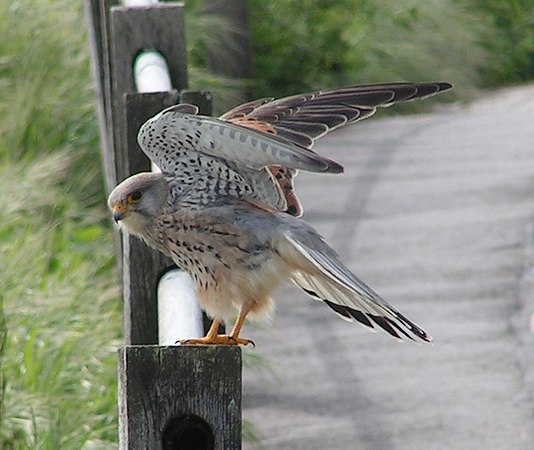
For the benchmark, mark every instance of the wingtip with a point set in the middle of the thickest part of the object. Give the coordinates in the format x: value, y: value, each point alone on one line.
x: 335, y: 168
x: 324, y: 165
x: 428, y: 339
x: 444, y: 86
x: 422, y: 335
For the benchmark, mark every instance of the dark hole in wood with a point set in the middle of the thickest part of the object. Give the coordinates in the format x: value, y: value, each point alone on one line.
x: 188, y: 432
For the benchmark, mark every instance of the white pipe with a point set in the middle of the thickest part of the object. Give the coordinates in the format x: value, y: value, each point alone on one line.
x: 151, y: 72
x: 135, y: 3
x: 179, y: 315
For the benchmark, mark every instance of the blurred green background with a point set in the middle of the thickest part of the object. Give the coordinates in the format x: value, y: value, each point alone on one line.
x: 59, y: 299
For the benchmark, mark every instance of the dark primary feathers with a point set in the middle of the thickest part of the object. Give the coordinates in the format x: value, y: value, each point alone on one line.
x: 306, y: 117
x: 345, y: 293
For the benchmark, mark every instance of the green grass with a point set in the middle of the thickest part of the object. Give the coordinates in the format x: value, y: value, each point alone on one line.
x: 60, y: 308
x: 61, y: 312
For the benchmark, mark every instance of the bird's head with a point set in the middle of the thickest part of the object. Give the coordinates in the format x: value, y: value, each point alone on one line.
x: 138, y: 200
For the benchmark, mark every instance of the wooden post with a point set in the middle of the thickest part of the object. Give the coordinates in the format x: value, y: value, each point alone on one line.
x: 96, y: 12
x: 198, y: 408
x: 133, y: 30
x: 235, y: 60
x: 169, y: 397
x: 143, y: 266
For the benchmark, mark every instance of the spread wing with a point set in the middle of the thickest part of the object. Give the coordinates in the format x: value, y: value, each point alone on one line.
x: 304, y: 118
x: 244, y: 146
x: 205, y: 158
x: 255, y: 150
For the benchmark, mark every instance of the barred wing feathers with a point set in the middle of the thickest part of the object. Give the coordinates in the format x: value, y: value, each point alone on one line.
x: 304, y: 118
x: 331, y: 282
x: 257, y: 148
x: 223, y: 141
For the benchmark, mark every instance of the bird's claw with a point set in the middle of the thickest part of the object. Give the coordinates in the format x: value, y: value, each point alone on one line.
x: 221, y: 339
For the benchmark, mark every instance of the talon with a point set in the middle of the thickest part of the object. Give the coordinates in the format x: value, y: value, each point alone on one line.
x: 243, y: 341
x: 221, y: 339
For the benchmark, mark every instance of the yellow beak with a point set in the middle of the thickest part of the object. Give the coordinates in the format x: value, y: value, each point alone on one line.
x: 119, y: 211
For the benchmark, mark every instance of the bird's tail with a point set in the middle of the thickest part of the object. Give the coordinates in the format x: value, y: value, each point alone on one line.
x: 322, y: 276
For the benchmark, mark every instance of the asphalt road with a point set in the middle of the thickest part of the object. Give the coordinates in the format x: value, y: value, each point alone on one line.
x: 436, y: 212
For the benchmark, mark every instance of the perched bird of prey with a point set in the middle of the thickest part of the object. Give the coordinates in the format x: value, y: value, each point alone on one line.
x: 224, y: 207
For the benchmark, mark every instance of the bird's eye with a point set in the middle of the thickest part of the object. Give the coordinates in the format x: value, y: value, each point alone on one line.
x: 135, y: 196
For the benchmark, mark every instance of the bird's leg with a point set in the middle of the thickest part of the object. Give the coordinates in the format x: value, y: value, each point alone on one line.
x: 214, y: 329
x: 212, y: 338
x: 245, y: 309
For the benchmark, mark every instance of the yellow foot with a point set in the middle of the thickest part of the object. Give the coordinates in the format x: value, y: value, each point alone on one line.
x: 221, y: 339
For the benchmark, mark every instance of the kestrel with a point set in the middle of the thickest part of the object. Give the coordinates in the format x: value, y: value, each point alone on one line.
x: 224, y: 208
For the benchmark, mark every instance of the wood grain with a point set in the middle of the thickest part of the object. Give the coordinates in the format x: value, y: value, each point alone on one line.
x: 162, y: 388
x: 143, y: 266
x: 159, y: 27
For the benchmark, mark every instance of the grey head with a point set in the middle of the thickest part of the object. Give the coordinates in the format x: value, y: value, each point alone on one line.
x: 138, y: 200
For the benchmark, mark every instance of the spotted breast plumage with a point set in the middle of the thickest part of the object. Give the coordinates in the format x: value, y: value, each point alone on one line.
x: 225, y: 210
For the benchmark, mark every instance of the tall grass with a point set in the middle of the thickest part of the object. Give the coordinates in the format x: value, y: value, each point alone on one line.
x: 61, y: 312
x: 60, y: 304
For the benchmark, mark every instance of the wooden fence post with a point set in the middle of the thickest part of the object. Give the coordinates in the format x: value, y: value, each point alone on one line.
x: 169, y: 397
x: 198, y: 408
x: 235, y: 61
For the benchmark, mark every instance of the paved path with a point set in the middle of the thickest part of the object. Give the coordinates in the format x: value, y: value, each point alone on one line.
x: 435, y: 212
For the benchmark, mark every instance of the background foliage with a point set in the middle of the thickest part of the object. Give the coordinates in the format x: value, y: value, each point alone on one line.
x: 512, y: 45
x: 312, y: 44
x: 60, y: 324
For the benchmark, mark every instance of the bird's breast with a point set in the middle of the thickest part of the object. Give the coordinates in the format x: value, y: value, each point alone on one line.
x: 230, y: 263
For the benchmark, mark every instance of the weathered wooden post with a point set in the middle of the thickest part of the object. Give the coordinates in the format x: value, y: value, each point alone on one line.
x: 169, y: 396
x: 236, y: 59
